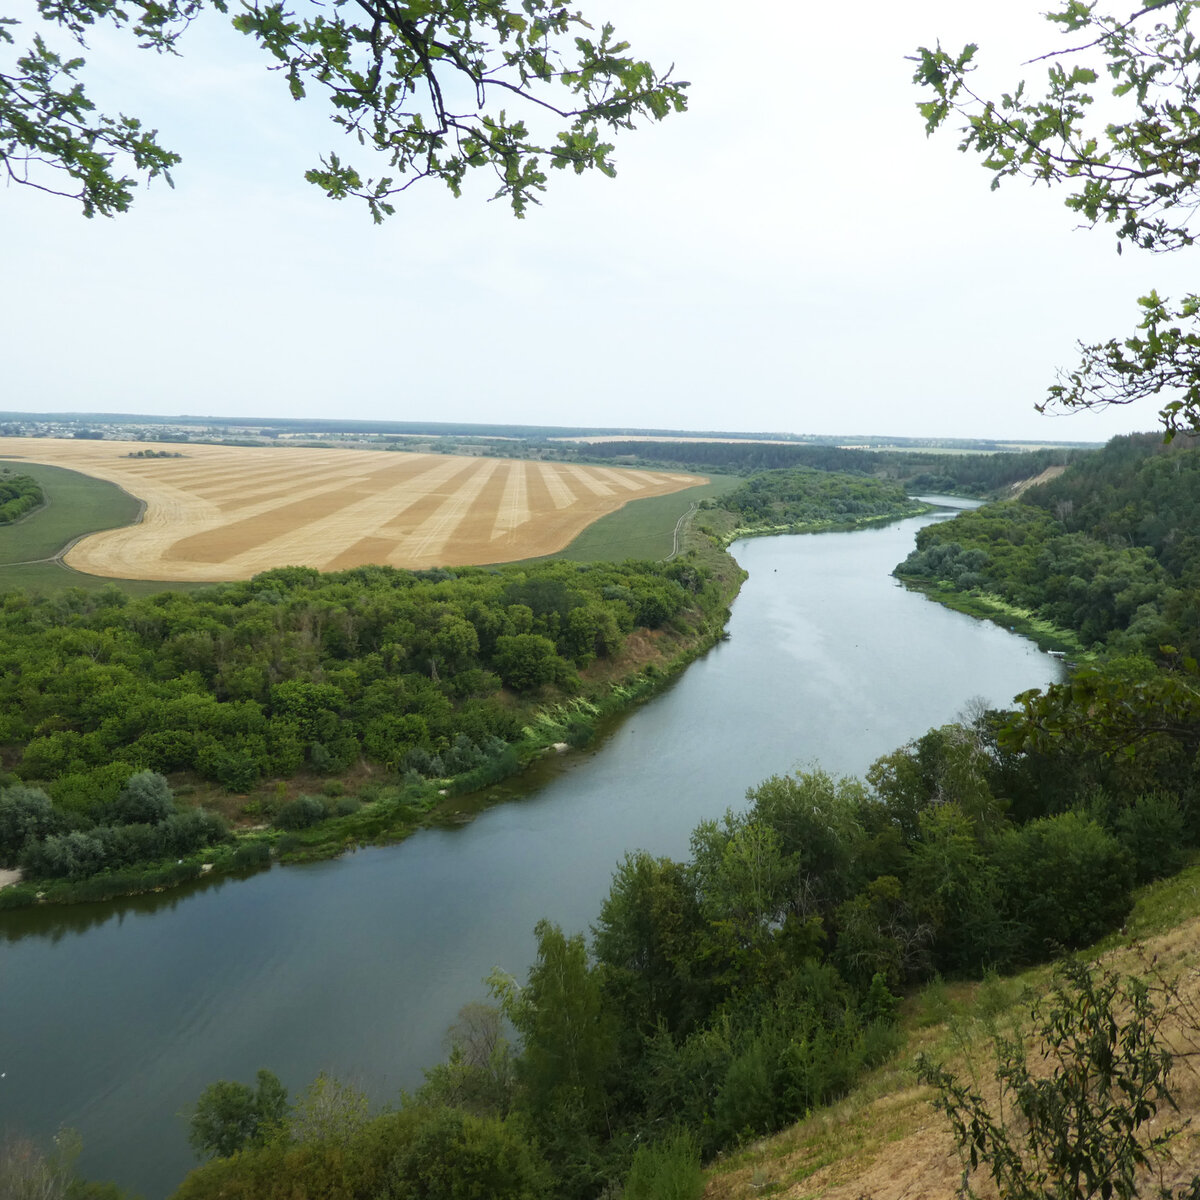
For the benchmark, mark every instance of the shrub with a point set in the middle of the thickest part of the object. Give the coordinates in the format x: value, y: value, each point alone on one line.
x: 1153, y: 830
x: 145, y: 799
x: 666, y: 1170
x: 1077, y: 1129
x: 251, y: 854
x: 1064, y: 881
x: 455, y: 1156
x: 25, y: 813
x: 302, y: 813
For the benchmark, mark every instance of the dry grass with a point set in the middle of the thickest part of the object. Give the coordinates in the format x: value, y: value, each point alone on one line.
x: 886, y: 1142
x: 228, y: 512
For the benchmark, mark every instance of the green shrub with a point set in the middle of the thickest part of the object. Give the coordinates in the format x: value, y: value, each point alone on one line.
x: 1153, y: 829
x: 25, y: 814
x: 667, y: 1170
x: 251, y: 854
x: 144, y: 800
x: 302, y: 813
x: 1064, y: 882
x: 456, y: 1156
x: 17, y: 896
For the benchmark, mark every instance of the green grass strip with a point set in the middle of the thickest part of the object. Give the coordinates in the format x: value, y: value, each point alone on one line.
x: 643, y: 529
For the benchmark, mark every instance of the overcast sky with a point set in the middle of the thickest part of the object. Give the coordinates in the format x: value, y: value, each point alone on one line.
x: 792, y: 254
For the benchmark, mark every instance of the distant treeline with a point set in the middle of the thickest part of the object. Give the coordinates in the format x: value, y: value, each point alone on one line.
x: 329, y: 426
x: 1109, y: 550
x: 919, y: 471
x: 19, y: 494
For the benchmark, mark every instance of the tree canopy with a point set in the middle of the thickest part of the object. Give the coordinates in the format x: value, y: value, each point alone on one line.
x: 426, y: 85
x: 1131, y: 161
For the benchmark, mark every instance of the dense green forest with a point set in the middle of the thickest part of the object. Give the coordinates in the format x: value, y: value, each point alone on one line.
x: 804, y: 498
x: 431, y: 678
x: 1110, y: 550
x: 19, y: 495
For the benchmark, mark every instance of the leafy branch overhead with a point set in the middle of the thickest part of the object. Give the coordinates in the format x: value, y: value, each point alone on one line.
x: 1131, y: 161
x: 434, y: 88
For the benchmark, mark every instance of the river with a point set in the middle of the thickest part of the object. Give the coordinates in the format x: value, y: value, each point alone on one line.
x: 114, y: 1017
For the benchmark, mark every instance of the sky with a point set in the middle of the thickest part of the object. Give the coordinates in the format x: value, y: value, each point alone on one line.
x: 790, y: 255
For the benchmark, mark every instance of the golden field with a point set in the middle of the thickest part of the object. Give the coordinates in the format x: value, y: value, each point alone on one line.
x: 228, y: 512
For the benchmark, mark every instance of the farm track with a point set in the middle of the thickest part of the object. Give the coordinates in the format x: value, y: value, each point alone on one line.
x: 226, y: 512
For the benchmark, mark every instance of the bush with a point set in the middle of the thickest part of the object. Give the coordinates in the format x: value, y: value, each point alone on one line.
x: 251, y: 854
x: 1074, y: 1126
x: 666, y: 1170
x: 15, y: 896
x: 145, y: 800
x: 64, y: 856
x: 1064, y: 881
x: 1153, y: 830
x: 303, y: 812
x: 25, y: 814
x: 455, y: 1156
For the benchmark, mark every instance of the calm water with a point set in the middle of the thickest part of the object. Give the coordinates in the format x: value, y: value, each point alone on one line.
x: 114, y: 1017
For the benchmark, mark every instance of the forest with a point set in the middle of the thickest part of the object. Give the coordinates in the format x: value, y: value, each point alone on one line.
x: 423, y: 676
x: 1108, y: 551
x: 804, y: 498
x: 917, y: 470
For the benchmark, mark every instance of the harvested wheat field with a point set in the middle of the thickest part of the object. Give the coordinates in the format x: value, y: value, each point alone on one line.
x: 228, y: 512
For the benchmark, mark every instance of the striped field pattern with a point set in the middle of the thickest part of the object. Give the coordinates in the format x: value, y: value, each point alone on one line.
x: 228, y: 512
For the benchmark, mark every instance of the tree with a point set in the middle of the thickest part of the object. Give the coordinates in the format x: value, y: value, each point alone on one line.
x: 1084, y: 1127
x: 229, y: 1116
x: 26, y: 814
x: 1137, y: 169
x: 525, y: 661
x: 328, y: 1110
x: 145, y: 800
x: 423, y: 83
x: 456, y: 1156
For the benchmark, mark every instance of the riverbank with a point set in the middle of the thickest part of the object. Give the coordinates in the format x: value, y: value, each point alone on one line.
x: 986, y: 606
x: 723, y: 527
x: 369, y: 807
